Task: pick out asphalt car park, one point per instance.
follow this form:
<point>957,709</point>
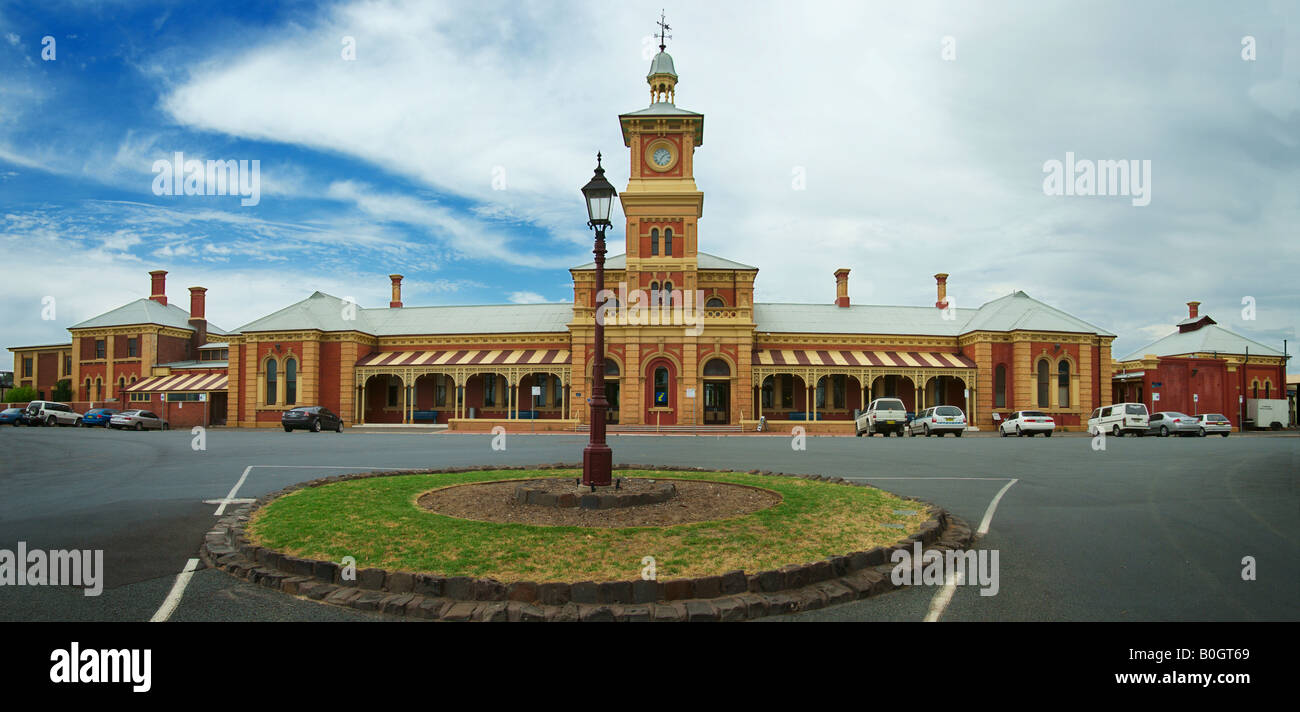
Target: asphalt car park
<point>1144,529</point>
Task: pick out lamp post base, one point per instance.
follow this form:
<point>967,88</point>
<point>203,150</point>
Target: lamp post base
<point>597,465</point>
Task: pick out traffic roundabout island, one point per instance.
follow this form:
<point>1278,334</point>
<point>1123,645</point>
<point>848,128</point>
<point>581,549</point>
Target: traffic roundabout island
<point>530,544</point>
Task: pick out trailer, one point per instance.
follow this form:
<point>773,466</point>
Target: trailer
<point>1267,413</point>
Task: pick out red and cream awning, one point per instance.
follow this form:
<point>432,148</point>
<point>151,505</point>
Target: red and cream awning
<point>861,359</point>
<point>180,382</point>
<point>467,357</point>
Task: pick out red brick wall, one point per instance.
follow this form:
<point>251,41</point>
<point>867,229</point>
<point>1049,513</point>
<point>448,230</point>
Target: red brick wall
<point>172,349</point>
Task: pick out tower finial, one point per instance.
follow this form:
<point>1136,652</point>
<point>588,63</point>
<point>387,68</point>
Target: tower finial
<point>663,31</point>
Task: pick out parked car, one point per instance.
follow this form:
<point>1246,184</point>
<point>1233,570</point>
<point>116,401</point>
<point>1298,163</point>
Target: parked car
<point>1027,422</point>
<point>50,413</point>
<point>1119,419</point>
<point>1171,422</point>
<point>939,420</point>
<point>1209,423</point>
<point>13,416</point>
<point>884,415</point>
<point>136,420</point>
<point>314,418</point>
<point>98,417</point>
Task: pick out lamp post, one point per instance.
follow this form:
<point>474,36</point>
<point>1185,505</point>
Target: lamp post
<point>597,458</point>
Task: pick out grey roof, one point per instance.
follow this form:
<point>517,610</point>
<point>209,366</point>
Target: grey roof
<point>197,364</point>
<point>662,64</point>
<point>662,108</point>
<point>144,311</point>
<point>1211,338</point>
<point>326,312</point>
<point>704,261</point>
<point>215,345</point>
<point>857,319</point>
<point>1016,311</point>
<point>1019,311</point>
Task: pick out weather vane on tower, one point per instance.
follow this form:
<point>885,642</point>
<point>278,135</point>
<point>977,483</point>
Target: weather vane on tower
<point>663,31</point>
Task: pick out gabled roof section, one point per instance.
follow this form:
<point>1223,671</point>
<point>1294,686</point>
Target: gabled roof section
<point>325,312</point>
<point>1020,312</point>
<point>320,311</point>
<point>144,311</point>
<point>1210,338</point>
<point>703,261</point>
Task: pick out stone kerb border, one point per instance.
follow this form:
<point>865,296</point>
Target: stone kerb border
<point>734,595</point>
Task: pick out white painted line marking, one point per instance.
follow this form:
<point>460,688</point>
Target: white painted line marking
<point>237,500</point>
<point>222,509</point>
<point>993,507</point>
<point>174,596</point>
<point>230,496</point>
<point>941,599</point>
<point>944,597</point>
<point>991,479</point>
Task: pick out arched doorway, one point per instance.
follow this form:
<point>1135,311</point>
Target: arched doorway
<point>661,392</point>
<point>717,392</point>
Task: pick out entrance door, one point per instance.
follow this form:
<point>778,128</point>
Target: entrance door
<point>611,396</point>
<point>717,399</point>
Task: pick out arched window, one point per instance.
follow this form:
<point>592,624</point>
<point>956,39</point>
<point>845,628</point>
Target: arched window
<point>611,368</point>
<point>654,241</point>
<point>1268,387</point>
<point>668,241</point>
<point>271,380</point>
<point>715,303</point>
<point>1254,385</point>
<point>291,381</point>
<point>654,294</point>
<point>1000,386</point>
<point>667,297</point>
<point>717,367</point>
<point>99,389</point>
<point>661,399</point>
<point>1044,384</point>
<point>1063,383</point>
<point>89,394</point>
<point>121,388</point>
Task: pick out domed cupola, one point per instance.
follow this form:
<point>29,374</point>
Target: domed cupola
<point>663,76</point>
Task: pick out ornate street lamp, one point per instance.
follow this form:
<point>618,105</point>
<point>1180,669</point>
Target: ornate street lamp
<point>597,458</point>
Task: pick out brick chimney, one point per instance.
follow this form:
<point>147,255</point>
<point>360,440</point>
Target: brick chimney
<point>842,287</point>
<point>397,291</point>
<point>941,282</point>
<point>158,286</point>
<point>198,319</point>
<point>1193,310</point>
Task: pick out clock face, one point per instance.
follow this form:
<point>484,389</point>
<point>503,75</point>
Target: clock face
<point>662,157</point>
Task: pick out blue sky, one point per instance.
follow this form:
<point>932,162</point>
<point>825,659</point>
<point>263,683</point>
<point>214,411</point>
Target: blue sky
<point>914,163</point>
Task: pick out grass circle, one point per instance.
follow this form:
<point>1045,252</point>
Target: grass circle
<point>379,523</point>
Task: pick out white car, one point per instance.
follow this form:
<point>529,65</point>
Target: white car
<point>1213,424</point>
<point>1027,422</point>
<point>884,415</point>
<point>1119,419</point>
<point>939,420</point>
<point>50,413</point>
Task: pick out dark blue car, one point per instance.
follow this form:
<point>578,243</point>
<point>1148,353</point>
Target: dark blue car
<point>13,416</point>
<point>98,417</point>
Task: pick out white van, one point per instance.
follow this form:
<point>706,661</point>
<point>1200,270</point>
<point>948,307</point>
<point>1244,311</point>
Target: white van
<point>1119,419</point>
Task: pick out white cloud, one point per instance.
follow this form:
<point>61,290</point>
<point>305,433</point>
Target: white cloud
<point>527,298</point>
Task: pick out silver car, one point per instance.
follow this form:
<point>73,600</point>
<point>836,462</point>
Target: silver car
<point>137,420</point>
<point>1213,423</point>
<point>939,420</point>
<point>1171,422</point>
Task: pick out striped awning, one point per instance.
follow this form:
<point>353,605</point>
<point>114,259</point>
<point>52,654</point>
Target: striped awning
<point>467,357</point>
<point>180,382</point>
<point>877,359</point>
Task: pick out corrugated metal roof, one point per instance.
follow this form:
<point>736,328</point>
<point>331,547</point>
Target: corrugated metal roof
<point>857,319</point>
<point>1211,338</point>
<point>144,311</point>
<point>329,313</point>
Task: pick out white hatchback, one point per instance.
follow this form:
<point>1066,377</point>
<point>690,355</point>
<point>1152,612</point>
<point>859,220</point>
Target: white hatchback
<point>1027,422</point>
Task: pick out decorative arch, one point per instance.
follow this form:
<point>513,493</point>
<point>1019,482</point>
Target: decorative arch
<point>715,302</point>
<point>1043,383</point>
<point>1066,386</point>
